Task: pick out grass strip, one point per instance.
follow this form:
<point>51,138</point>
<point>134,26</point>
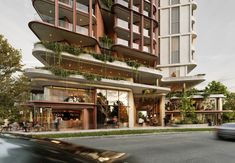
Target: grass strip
<point>118,132</point>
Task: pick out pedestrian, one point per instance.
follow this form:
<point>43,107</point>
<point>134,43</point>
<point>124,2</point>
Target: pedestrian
<point>25,126</point>
<point>56,123</point>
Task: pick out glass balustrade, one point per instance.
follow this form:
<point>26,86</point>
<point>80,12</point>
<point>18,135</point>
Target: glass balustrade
<point>135,8</point>
<point>82,7</point>
<point>122,42</point>
<point>146,49</point>
<point>146,13</point>
<point>136,46</point>
<point>136,28</point>
<point>67,2</point>
<point>81,30</point>
<point>146,32</point>
<point>123,24</point>
<point>65,25</point>
<point>122,2</point>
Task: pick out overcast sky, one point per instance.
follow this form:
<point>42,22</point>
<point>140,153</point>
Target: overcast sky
<point>215,27</point>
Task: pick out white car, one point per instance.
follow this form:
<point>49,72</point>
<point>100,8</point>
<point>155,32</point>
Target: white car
<point>226,131</point>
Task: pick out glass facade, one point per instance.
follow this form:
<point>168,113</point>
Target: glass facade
<point>112,108</point>
<point>175,52</point>
<point>175,20</point>
<point>59,94</point>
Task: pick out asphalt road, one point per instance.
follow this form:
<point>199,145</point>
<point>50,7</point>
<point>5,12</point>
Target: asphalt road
<point>193,147</point>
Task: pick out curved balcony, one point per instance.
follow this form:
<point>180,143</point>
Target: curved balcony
<point>194,34</point>
<point>46,57</point>
<point>194,5</point>
<point>47,8</point>
<point>49,32</point>
<point>44,77</point>
<point>193,19</point>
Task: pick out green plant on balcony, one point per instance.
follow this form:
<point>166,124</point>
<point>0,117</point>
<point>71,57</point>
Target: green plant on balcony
<point>106,41</point>
<point>103,57</point>
<point>133,63</point>
<point>108,3</point>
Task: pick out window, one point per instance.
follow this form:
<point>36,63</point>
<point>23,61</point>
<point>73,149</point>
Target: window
<point>175,25</point>
<point>175,53</point>
<point>173,2</point>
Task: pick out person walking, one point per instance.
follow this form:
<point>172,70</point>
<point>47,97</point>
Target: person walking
<point>56,123</point>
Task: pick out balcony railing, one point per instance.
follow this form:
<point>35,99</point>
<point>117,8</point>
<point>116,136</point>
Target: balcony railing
<point>122,42</point>
<point>66,25</point>
<point>146,49</point>
<point>135,8</point>
<point>136,29</point>
<point>136,46</point>
<point>122,2</point>
<point>81,30</point>
<point>146,13</point>
<point>146,33</point>
<point>123,24</point>
<point>67,2</point>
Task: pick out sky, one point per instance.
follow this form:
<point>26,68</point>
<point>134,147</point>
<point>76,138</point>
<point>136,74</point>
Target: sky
<point>215,44</point>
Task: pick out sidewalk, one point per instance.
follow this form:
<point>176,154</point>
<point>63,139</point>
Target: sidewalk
<point>113,129</point>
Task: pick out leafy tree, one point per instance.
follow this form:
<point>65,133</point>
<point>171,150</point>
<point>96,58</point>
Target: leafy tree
<point>14,89</point>
<point>216,87</point>
<point>230,102</point>
<point>187,109</point>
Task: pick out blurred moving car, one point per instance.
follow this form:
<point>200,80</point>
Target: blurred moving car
<point>226,131</point>
<point>20,149</point>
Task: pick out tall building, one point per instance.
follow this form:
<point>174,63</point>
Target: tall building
<point>177,39</point>
<point>100,59</point>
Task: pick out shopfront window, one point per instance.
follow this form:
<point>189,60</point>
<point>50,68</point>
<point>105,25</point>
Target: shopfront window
<point>112,108</point>
<point>59,94</point>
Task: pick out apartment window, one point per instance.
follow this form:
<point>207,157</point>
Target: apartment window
<point>175,52</point>
<point>173,2</point>
<point>175,20</point>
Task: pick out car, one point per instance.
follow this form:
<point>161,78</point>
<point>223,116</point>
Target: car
<point>21,149</point>
<point>226,131</point>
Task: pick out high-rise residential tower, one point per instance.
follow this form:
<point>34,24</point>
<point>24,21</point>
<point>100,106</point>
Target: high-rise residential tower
<point>177,38</point>
<point>100,59</point>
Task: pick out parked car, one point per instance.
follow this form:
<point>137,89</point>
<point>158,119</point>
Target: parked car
<point>20,149</point>
<point>226,131</point>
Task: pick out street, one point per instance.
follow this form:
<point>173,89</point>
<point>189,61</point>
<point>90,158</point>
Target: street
<point>192,147</point>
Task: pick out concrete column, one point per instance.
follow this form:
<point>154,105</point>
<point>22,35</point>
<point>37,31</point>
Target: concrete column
<point>74,15</point>
<point>162,109</point>
<point>131,25</point>
<point>132,110</point>
<point>95,118</point>
<point>220,104</point>
<point>90,19</point>
<point>142,26</point>
<point>85,119</point>
<point>56,13</point>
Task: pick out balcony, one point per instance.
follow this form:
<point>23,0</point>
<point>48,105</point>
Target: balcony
<point>66,25</point>
<point>146,49</point>
<point>146,13</point>
<point>123,24</point>
<point>122,2</point>
<point>146,33</point>
<point>122,42</point>
<point>136,46</point>
<point>136,29</point>
<point>194,5</point>
<point>81,30</point>
<point>66,2</point>
<point>135,8</point>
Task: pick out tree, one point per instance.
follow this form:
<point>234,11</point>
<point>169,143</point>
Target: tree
<point>216,87</point>
<point>14,89</point>
<point>187,109</point>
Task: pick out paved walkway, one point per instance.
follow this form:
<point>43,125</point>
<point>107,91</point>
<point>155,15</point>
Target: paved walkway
<point>112,129</point>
